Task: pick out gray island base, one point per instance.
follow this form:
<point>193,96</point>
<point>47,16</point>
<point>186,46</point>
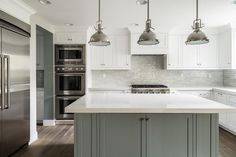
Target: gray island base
<point>146,135</point>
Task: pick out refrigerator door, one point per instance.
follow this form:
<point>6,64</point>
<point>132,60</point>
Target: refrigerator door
<point>1,141</point>
<point>15,116</point>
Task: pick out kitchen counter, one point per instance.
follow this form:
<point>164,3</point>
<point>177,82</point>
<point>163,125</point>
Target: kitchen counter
<point>145,103</point>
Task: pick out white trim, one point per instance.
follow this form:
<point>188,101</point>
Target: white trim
<point>18,9</point>
<point>49,123</point>
<point>33,138</point>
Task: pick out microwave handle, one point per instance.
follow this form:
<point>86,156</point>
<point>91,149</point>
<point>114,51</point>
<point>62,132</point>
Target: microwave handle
<point>68,98</point>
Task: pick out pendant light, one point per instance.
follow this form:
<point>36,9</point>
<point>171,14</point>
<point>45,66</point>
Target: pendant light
<point>99,38</point>
<point>147,37</point>
<point>197,37</point>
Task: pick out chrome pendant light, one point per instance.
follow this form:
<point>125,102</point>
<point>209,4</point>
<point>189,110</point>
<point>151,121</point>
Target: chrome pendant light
<point>147,37</point>
<point>99,38</point>
<point>197,37</point>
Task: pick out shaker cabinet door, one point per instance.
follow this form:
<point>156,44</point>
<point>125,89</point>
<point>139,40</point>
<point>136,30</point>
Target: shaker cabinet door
<point>169,135</point>
<point>120,135</point>
<point>208,53</point>
<point>189,55</point>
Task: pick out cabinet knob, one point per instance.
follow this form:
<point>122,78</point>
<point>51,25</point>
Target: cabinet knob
<point>142,119</point>
<point>147,119</point>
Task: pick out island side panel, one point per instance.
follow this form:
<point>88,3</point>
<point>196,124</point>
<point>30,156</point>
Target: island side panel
<point>83,135</point>
<point>189,135</point>
<point>206,135</point>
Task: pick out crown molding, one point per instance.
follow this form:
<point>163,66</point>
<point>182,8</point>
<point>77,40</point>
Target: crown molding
<point>18,9</point>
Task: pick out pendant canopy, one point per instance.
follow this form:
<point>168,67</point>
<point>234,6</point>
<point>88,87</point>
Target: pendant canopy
<point>99,38</point>
<point>148,37</point>
<point>197,37</point>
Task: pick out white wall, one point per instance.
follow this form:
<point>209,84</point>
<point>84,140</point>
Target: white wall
<point>35,20</point>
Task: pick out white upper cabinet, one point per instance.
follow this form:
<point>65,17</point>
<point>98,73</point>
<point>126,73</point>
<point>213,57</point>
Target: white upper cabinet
<point>189,55</point>
<point>70,38</point>
<point>173,59</point>
<point>227,55</point>
<point>208,53</point>
<point>115,56</point>
<point>136,49</point>
<point>182,56</point>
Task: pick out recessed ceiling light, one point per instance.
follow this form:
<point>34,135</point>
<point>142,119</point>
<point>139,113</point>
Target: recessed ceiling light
<point>69,24</point>
<point>45,2</point>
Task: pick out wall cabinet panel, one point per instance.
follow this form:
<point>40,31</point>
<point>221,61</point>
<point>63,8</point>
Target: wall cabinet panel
<point>113,57</point>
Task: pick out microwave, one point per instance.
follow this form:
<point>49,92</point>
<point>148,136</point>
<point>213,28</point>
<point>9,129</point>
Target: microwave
<point>70,54</point>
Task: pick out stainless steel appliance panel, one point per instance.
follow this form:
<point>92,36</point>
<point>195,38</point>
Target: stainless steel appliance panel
<point>70,83</point>
<point>15,116</point>
<point>61,103</point>
<point>70,54</point>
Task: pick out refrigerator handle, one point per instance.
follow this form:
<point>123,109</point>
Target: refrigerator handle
<point>7,58</point>
<point>2,82</point>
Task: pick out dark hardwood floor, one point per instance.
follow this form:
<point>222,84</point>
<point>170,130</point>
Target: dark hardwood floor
<point>58,142</point>
<point>55,141</point>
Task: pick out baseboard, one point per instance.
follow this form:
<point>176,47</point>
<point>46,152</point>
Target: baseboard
<point>33,138</point>
<point>64,122</point>
<point>230,131</point>
<point>49,123</point>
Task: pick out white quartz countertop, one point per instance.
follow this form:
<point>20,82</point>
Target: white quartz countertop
<point>145,103</point>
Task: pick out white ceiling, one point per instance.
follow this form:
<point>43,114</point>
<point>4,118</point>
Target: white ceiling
<point>165,14</point>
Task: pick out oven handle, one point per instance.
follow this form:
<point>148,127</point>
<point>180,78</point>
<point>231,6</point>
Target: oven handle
<point>70,49</point>
<point>70,74</point>
<point>67,98</point>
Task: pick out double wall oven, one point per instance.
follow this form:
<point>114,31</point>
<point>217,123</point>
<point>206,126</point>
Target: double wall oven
<point>70,71</point>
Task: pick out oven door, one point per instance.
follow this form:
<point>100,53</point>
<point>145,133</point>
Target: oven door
<point>70,84</point>
<point>61,103</point>
<point>70,56</point>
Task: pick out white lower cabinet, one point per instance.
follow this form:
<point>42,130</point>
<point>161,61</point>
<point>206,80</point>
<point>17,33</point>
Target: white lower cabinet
<point>232,116</point>
<point>221,98</point>
<point>202,93</point>
<point>227,119</point>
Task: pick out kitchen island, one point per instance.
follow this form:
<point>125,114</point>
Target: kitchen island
<point>146,125</point>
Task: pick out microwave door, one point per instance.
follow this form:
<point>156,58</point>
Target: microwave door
<point>70,54</point>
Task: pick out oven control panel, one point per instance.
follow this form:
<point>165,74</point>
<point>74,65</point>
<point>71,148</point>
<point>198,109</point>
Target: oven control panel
<point>71,69</point>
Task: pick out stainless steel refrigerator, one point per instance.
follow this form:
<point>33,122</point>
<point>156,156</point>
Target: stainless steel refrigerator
<point>14,84</point>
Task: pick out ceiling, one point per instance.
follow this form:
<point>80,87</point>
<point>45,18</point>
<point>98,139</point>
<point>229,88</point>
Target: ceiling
<point>165,14</point>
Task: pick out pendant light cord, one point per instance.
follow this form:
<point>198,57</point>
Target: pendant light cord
<point>196,9</point>
<point>148,9</point>
<point>99,10</point>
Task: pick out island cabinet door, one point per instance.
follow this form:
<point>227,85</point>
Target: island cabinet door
<point>169,135</point>
<point>120,135</point>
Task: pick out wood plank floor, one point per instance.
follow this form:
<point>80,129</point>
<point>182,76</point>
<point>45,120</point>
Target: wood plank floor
<point>58,142</point>
<point>55,141</point>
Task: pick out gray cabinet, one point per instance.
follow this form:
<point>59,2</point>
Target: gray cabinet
<point>146,135</point>
<point>120,135</point>
<point>169,135</point>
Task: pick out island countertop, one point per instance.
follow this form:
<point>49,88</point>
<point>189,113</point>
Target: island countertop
<point>145,103</point>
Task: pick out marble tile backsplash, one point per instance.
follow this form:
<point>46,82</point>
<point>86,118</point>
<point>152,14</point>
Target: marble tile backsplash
<point>149,70</point>
<point>230,78</point>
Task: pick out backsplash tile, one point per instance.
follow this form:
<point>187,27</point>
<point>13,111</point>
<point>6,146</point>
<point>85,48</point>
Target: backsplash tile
<point>230,78</point>
<point>149,70</point>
